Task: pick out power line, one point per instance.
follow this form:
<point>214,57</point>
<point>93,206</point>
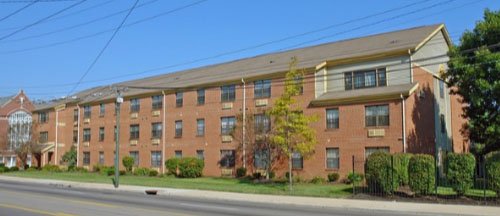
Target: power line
<point>104,48</point>
<point>18,10</point>
<point>29,1</point>
<point>41,20</point>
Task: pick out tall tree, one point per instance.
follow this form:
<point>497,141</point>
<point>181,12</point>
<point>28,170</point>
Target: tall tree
<point>28,146</point>
<point>474,74</point>
<point>291,131</point>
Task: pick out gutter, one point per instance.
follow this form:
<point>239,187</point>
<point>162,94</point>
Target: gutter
<point>78,137</point>
<point>403,111</point>
<point>164,105</point>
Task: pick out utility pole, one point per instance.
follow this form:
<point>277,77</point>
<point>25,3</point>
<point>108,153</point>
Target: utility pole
<point>119,101</point>
<point>244,123</point>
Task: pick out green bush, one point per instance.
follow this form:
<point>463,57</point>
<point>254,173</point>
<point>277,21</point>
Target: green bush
<point>140,171</point>
<point>354,178</point>
<point>333,177</point>
<point>2,165</point>
<point>257,175</point>
<point>241,172</point>
<point>401,162</point>
<point>318,180</point>
<point>4,169</point>
<point>51,168</point>
<point>421,170</point>
<point>97,168</point>
<point>14,169</point>
<point>128,163</point>
<point>493,172</point>
<point>460,172</point>
<point>79,169</point>
<point>191,167</point>
<point>122,172</point>
<point>172,165</point>
<point>153,173</point>
<point>109,171</point>
<point>272,175</point>
<point>31,169</point>
<point>379,173</point>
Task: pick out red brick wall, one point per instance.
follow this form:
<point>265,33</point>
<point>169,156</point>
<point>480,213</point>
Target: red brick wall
<point>459,137</point>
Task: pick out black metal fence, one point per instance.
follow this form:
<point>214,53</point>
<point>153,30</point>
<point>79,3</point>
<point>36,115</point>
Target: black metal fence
<point>434,186</point>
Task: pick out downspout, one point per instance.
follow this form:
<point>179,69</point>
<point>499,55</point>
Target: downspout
<point>57,128</point>
<point>403,110</point>
<point>78,136</point>
<point>411,66</point>
<point>244,124</point>
<point>163,135</point>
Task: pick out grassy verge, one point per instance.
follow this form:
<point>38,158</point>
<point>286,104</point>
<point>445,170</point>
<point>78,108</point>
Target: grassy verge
<point>204,183</point>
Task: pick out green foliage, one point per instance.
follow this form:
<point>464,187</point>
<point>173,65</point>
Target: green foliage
<point>172,165</point>
<point>272,175</point>
<point>401,162</point>
<point>128,162</point>
<point>2,165</point>
<point>475,71</point>
<point>493,171</point>
<point>421,171</point>
<point>379,173</point>
<point>69,158</point>
<point>153,173</point>
<point>333,177</point>
<point>32,169</point>
<point>354,178</point>
<point>97,168</point>
<point>191,167</point>
<point>257,175</point>
<point>460,172</point>
<point>141,171</point>
<point>241,172</point>
<point>51,168</point>
<point>14,169</point>
<point>79,169</point>
<point>318,180</point>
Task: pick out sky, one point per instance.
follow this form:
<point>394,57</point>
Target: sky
<point>47,46</point>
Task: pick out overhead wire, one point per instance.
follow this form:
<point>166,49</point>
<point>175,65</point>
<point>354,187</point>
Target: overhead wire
<point>18,10</point>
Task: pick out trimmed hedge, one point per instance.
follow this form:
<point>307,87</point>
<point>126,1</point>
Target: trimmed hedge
<point>318,180</point>
<point>333,177</point>
<point>128,163</point>
<point>354,178</point>
<point>51,168</point>
<point>241,172</point>
<point>421,172</point>
<point>141,171</point>
<point>191,167</point>
<point>460,172</point>
<point>401,162</point>
<point>493,172</point>
<point>172,165</point>
<point>379,173</point>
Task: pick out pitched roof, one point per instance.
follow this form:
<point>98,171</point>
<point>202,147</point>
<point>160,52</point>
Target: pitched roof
<point>5,99</point>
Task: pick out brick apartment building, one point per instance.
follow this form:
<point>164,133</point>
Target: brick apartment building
<point>380,92</point>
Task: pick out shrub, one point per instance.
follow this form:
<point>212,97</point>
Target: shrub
<point>79,169</point>
<point>354,178</point>
<point>191,167</point>
<point>2,165</point>
<point>318,180</point>
<point>379,173</point>
<point>257,175</point>
<point>241,172</point>
<point>153,173</point>
<point>333,177</point>
<point>272,175</point>
<point>97,168</point>
<point>14,169</point>
<point>401,162</point>
<point>128,163</point>
<point>460,172</point>
<point>51,168</point>
<point>421,171</point>
<point>493,172</point>
<point>122,172</point>
<point>4,169</point>
<point>172,165</point>
<point>109,171</point>
<point>141,171</point>
<point>31,169</point>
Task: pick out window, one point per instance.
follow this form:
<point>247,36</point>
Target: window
<point>262,123</point>
<point>200,127</point>
<point>200,154</point>
<point>135,105</point>
<point>332,158</point>
<point>377,115</point>
<point>178,128</point>
<point>262,89</point>
<point>135,155</point>
<point>155,158</point>
<point>44,137</point>
<point>102,109</point>
<point>443,123</point>
<point>101,134</point>
<point>365,79</point>
<point>371,150</point>
<point>441,88</point>
<point>157,102</point>
<point>156,130</point>
<point>201,96</point>
<point>43,117</point>
<point>75,115</point>
<point>86,135</point>
<point>86,158</point>
<point>332,118</point>
<point>260,158</point>
<point>228,93</point>
<point>101,157</point>
<point>297,161</point>
<point>134,131</point>
<point>178,154</point>
<point>227,158</point>
<point>87,111</point>
<point>299,81</point>
<point>75,136</point>
<point>227,125</point>
<point>115,134</point>
<point>179,99</point>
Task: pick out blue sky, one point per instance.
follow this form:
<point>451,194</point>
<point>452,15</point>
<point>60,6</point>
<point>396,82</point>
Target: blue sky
<point>41,61</point>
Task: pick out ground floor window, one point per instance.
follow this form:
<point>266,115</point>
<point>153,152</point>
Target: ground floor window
<point>1,159</point>
<point>260,158</point>
<point>155,158</point>
<point>101,157</point>
<point>227,158</point>
<point>332,158</point>
<point>135,155</point>
<point>86,158</point>
<point>297,161</point>
<point>200,154</point>
<point>371,150</point>
<point>178,154</point>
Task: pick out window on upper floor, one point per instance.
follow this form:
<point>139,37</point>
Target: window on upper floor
<point>228,93</point>
<point>332,118</point>
<point>44,137</point>
<point>115,133</point>
<point>43,117</point>
<point>262,123</point>
<point>87,111</point>
<point>134,131</point>
<point>262,89</point>
<point>179,99</point>
<point>86,135</point>
<point>201,96</point>
<point>442,121</point>
<point>75,115</point>
<point>178,128</point>
<point>156,130</point>
<point>102,109</point>
<point>75,136</point>
<point>299,81</point>
<point>365,79</point>
<point>157,102</point>
<point>135,105</point>
<point>441,88</point>
<point>200,127</point>
<point>101,134</point>
<point>227,125</point>
<point>377,115</point>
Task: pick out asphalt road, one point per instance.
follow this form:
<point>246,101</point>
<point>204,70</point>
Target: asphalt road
<point>34,200</point>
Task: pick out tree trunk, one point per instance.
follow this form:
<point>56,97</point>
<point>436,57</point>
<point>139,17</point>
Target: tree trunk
<point>290,176</point>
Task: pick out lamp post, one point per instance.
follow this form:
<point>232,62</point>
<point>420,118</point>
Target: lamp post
<point>119,101</point>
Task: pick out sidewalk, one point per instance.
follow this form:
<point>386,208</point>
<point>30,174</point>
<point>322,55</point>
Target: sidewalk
<point>406,207</point>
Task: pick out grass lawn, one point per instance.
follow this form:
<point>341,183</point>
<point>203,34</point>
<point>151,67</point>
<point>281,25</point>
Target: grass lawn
<point>448,191</point>
<point>203,183</point>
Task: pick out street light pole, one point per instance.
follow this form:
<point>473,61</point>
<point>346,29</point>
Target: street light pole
<point>119,101</point>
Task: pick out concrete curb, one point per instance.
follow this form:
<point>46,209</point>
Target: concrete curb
<point>407,207</point>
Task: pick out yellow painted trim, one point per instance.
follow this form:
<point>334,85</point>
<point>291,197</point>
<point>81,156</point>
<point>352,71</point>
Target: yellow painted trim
<point>322,65</point>
<point>60,107</point>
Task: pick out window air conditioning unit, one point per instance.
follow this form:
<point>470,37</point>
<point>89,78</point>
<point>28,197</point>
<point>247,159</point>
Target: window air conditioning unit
<point>261,102</point>
<point>227,106</point>
<point>227,138</point>
<point>376,132</point>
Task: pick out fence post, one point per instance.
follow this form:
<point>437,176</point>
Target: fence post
<point>436,180</point>
<point>485,177</point>
<point>392,173</point>
<point>353,182</point>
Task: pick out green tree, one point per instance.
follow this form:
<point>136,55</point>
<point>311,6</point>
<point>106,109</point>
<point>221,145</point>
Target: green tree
<point>474,74</point>
<point>69,158</point>
<point>291,132</point>
<point>128,163</point>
